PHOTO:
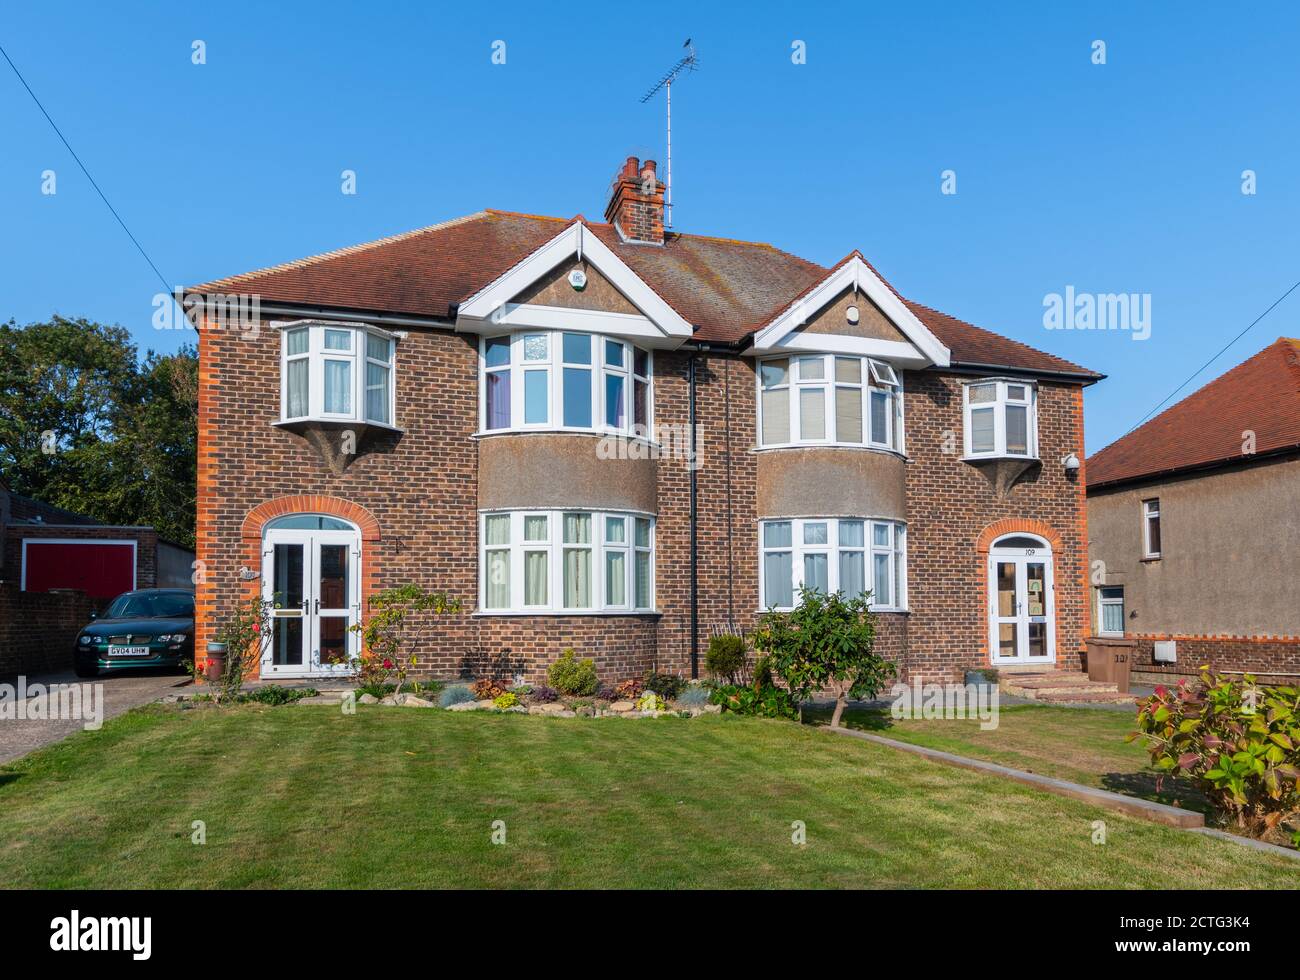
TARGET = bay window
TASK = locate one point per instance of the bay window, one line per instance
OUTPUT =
(566, 561)
(829, 399)
(1000, 419)
(555, 379)
(848, 555)
(336, 372)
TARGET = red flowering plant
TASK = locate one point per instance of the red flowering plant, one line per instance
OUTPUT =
(1239, 741)
(246, 634)
(392, 638)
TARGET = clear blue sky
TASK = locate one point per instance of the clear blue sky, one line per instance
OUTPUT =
(1124, 177)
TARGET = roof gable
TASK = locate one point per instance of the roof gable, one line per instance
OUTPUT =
(1259, 398)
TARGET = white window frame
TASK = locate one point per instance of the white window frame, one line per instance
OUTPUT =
(554, 366)
(1150, 512)
(874, 375)
(317, 355)
(555, 548)
(1102, 602)
(832, 549)
(999, 406)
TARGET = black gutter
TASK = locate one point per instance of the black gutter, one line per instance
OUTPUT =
(695, 605)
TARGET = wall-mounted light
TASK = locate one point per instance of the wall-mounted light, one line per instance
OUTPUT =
(1071, 463)
(852, 314)
(246, 574)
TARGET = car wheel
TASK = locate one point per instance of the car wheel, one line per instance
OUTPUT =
(85, 669)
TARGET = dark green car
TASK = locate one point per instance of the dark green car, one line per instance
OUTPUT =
(144, 628)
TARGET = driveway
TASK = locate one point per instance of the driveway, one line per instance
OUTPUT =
(120, 693)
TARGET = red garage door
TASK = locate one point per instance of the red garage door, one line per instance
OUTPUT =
(102, 569)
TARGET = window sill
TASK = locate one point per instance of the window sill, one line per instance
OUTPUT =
(556, 431)
(891, 610)
(1148, 559)
(542, 613)
(852, 446)
(294, 425)
(1000, 458)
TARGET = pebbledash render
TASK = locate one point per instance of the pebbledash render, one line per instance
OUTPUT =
(626, 444)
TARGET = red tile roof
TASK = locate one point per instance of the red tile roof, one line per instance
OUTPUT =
(1261, 395)
(726, 289)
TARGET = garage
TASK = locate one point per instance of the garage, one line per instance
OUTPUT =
(100, 568)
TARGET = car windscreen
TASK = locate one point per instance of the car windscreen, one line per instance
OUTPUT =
(145, 605)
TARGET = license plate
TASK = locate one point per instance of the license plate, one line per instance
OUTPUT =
(115, 650)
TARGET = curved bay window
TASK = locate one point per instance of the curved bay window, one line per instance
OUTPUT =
(829, 400)
(336, 372)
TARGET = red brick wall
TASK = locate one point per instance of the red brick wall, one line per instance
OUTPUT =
(38, 629)
(1269, 658)
(420, 490)
(951, 505)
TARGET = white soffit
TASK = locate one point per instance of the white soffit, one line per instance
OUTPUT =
(491, 309)
(783, 333)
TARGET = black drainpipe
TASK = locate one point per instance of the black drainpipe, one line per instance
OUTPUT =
(695, 609)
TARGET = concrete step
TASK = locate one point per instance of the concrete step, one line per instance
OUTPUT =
(1060, 687)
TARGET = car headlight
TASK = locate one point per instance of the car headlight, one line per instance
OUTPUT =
(172, 638)
(86, 640)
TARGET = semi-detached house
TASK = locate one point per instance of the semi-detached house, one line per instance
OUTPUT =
(621, 439)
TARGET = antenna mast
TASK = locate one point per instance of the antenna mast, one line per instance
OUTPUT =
(688, 63)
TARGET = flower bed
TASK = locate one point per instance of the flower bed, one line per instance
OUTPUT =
(627, 700)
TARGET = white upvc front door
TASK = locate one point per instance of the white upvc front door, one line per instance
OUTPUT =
(1022, 606)
(312, 580)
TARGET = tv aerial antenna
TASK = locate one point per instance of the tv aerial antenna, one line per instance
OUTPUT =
(687, 64)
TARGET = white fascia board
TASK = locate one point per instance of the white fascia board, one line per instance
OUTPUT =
(897, 352)
(630, 326)
(855, 272)
(574, 240)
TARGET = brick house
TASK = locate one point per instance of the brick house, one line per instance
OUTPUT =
(1195, 527)
(617, 438)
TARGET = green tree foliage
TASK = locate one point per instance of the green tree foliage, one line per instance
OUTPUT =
(87, 426)
(826, 643)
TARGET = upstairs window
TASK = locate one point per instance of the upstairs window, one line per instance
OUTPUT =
(554, 379)
(1151, 528)
(1001, 419)
(336, 372)
(829, 399)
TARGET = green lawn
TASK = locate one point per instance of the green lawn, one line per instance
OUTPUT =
(388, 797)
(1083, 745)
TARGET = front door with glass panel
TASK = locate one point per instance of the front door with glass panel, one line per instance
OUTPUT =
(310, 575)
(1022, 615)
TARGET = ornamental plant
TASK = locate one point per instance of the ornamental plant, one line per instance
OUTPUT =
(246, 634)
(488, 690)
(826, 643)
(725, 657)
(569, 675)
(1237, 740)
(506, 700)
(400, 622)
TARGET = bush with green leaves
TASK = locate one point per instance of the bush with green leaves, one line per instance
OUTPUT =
(455, 694)
(572, 676)
(770, 702)
(1239, 741)
(725, 657)
(508, 700)
(827, 643)
(401, 620)
(667, 686)
(274, 694)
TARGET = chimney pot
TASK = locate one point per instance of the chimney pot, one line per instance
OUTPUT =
(629, 168)
(636, 202)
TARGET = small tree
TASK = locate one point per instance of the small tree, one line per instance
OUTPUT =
(394, 635)
(246, 634)
(826, 642)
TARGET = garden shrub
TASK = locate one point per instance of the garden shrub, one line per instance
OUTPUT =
(606, 693)
(826, 642)
(455, 694)
(667, 686)
(1239, 741)
(762, 673)
(628, 691)
(544, 695)
(725, 658)
(650, 701)
(401, 621)
(507, 700)
(569, 675)
(695, 696)
(771, 702)
(487, 690)
(278, 695)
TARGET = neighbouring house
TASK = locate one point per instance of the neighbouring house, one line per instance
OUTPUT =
(620, 438)
(1194, 521)
(57, 566)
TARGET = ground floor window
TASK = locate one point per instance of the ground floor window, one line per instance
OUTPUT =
(854, 556)
(546, 561)
(1110, 609)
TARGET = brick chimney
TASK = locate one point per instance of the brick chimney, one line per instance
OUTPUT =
(636, 202)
